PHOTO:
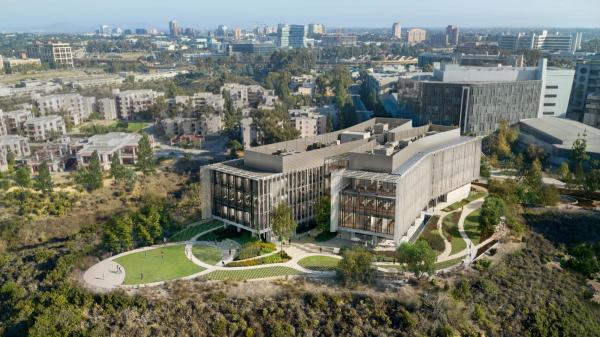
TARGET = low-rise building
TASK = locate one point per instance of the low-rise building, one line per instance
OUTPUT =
(77, 108)
(18, 145)
(555, 136)
(44, 128)
(94, 81)
(308, 121)
(253, 96)
(131, 102)
(14, 65)
(180, 126)
(55, 53)
(107, 108)
(107, 145)
(56, 154)
(382, 184)
(14, 120)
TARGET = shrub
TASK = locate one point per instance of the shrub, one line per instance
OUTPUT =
(273, 258)
(482, 264)
(254, 249)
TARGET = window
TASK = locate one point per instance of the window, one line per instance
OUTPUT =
(549, 104)
(552, 87)
(549, 113)
(551, 96)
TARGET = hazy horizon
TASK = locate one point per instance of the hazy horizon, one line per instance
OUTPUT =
(74, 16)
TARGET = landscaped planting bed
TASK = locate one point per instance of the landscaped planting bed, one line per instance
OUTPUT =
(158, 264)
(230, 233)
(195, 229)
(254, 249)
(448, 263)
(432, 235)
(249, 274)
(450, 227)
(207, 254)
(319, 263)
(474, 195)
(273, 258)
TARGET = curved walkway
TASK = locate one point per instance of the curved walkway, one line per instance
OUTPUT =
(107, 274)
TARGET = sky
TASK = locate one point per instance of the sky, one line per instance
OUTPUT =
(87, 15)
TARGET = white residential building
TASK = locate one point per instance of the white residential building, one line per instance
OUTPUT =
(14, 120)
(308, 121)
(107, 145)
(131, 102)
(44, 128)
(254, 96)
(17, 144)
(107, 107)
(77, 107)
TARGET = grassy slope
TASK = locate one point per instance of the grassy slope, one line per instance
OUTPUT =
(450, 225)
(156, 268)
(319, 262)
(207, 254)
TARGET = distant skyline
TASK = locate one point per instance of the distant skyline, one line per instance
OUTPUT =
(86, 16)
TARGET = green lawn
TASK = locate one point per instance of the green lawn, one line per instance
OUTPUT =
(449, 263)
(472, 227)
(195, 229)
(174, 264)
(249, 274)
(450, 226)
(136, 126)
(207, 254)
(472, 197)
(319, 263)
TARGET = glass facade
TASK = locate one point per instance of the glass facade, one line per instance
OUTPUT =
(235, 199)
(368, 206)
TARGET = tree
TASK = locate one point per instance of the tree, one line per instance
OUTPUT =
(563, 172)
(419, 257)
(145, 160)
(578, 158)
(491, 211)
(356, 266)
(118, 234)
(10, 159)
(43, 181)
(283, 223)
(23, 177)
(91, 177)
(484, 168)
(117, 169)
(323, 213)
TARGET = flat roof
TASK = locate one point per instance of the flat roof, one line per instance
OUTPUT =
(565, 131)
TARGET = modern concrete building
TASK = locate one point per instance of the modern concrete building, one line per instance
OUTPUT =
(478, 98)
(334, 40)
(485, 60)
(383, 175)
(586, 82)
(415, 36)
(253, 47)
(56, 53)
(18, 145)
(131, 102)
(397, 30)
(174, 29)
(316, 29)
(591, 116)
(78, 108)
(556, 136)
(44, 128)
(107, 145)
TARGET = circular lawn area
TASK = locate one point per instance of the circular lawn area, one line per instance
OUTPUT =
(207, 254)
(319, 263)
(158, 264)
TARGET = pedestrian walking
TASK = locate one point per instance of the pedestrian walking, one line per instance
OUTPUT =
(141, 276)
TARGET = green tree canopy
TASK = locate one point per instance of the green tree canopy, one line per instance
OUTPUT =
(418, 256)
(323, 213)
(282, 222)
(145, 160)
(356, 266)
(43, 181)
(23, 177)
(491, 211)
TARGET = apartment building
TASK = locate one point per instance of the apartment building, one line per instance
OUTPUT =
(415, 36)
(107, 145)
(397, 30)
(291, 36)
(202, 100)
(78, 108)
(56, 53)
(477, 99)
(44, 128)
(383, 176)
(253, 96)
(107, 108)
(13, 121)
(131, 102)
(308, 121)
(3, 127)
(18, 145)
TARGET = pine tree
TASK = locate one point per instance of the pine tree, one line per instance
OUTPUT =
(23, 177)
(43, 182)
(117, 170)
(145, 160)
(10, 160)
(91, 177)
